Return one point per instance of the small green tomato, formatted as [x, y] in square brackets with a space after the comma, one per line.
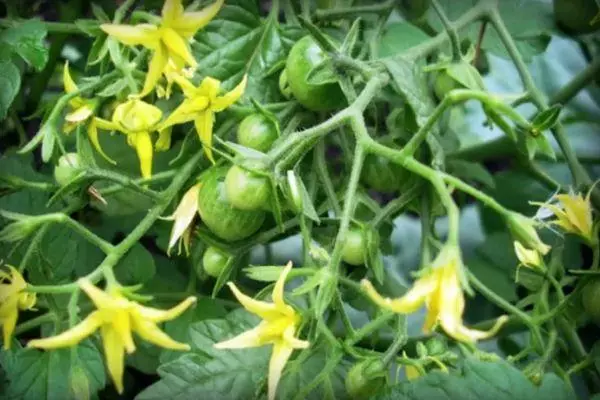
[258, 132]
[214, 261]
[69, 165]
[353, 252]
[245, 190]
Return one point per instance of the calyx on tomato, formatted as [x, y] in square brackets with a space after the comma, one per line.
[365, 378]
[218, 214]
[304, 56]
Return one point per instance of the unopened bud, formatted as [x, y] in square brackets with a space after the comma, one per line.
[523, 231]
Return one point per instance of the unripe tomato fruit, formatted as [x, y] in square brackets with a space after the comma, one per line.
[590, 297]
[214, 261]
[383, 175]
[443, 84]
[359, 384]
[574, 16]
[69, 165]
[353, 252]
[258, 132]
[245, 190]
[219, 215]
[305, 55]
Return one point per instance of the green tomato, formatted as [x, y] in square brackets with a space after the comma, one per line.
[68, 167]
[245, 190]
[353, 252]
[381, 174]
[305, 55]
[219, 215]
[214, 261]
[443, 84]
[575, 16]
[258, 132]
[364, 379]
[590, 297]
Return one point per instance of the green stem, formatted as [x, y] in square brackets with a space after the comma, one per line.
[580, 176]
[35, 322]
[398, 343]
[124, 182]
[90, 236]
[450, 30]
[370, 328]
[352, 12]
[321, 167]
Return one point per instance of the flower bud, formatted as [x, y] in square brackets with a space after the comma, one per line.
[68, 167]
[523, 231]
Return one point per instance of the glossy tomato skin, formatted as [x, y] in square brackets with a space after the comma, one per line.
[214, 261]
[69, 165]
[354, 252]
[219, 215]
[575, 16]
[305, 55]
[257, 132]
[381, 174]
[590, 298]
[245, 190]
[443, 84]
[358, 383]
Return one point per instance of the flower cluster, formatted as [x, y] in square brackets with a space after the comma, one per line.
[168, 40]
[13, 298]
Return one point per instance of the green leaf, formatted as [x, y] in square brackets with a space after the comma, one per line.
[494, 264]
[44, 375]
[530, 23]
[136, 267]
[479, 380]
[27, 40]
[10, 82]
[209, 373]
[399, 37]
[237, 42]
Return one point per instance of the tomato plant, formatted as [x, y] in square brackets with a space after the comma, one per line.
[299, 199]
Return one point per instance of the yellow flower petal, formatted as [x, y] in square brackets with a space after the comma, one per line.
[188, 89]
[209, 87]
[191, 22]
[143, 147]
[68, 82]
[72, 336]
[135, 116]
[171, 11]
[151, 333]
[288, 337]
[146, 35]
[186, 112]
[98, 297]
[156, 315]
[222, 102]
[178, 46]
[261, 308]
[184, 215]
[115, 357]
[527, 257]
[10, 314]
[204, 126]
[281, 354]
[121, 324]
[251, 338]
[80, 114]
[279, 286]
[92, 131]
[155, 69]
[406, 304]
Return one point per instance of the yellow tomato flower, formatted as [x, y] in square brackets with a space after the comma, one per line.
[171, 72]
[200, 106]
[573, 213]
[278, 327]
[82, 112]
[439, 288]
[117, 317]
[12, 299]
[137, 119]
[169, 41]
[183, 217]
